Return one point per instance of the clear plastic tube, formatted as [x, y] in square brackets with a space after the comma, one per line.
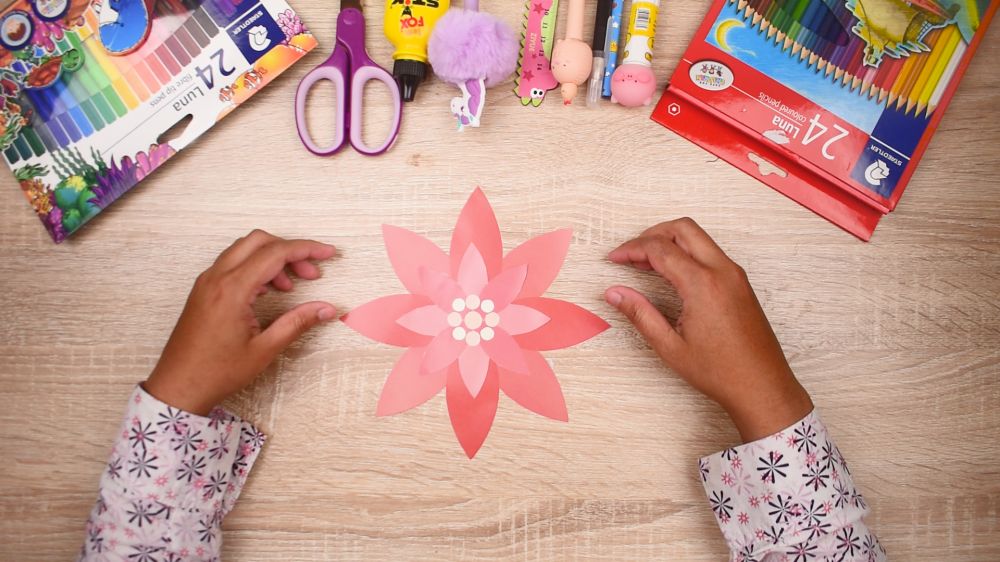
[596, 84]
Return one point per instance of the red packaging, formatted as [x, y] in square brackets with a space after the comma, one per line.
[830, 102]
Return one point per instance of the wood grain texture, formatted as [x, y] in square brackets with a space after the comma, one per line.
[898, 340]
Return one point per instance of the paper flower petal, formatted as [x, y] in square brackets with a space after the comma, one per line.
[377, 320]
[544, 256]
[441, 352]
[472, 271]
[408, 252]
[538, 391]
[472, 417]
[428, 320]
[406, 387]
[441, 288]
[519, 319]
[472, 365]
[568, 325]
[505, 287]
[505, 352]
[477, 225]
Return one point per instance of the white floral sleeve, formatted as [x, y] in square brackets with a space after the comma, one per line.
[171, 478]
[789, 497]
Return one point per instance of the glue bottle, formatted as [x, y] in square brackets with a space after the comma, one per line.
[408, 25]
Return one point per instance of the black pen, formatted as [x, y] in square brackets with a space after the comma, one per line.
[596, 83]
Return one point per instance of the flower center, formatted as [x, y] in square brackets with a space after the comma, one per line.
[472, 319]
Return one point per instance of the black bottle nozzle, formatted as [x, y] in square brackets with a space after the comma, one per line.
[409, 74]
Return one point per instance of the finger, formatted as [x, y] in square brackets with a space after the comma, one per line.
[693, 239]
[291, 325]
[656, 330]
[641, 265]
[673, 263]
[265, 264]
[282, 282]
[305, 270]
[243, 247]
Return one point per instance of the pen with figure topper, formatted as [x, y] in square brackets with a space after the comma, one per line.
[571, 56]
[633, 82]
[602, 22]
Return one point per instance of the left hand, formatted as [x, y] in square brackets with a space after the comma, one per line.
[218, 346]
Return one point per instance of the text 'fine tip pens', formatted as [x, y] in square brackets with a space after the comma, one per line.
[601, 22]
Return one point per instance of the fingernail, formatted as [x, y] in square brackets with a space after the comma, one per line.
[613, 297]
[326, 314]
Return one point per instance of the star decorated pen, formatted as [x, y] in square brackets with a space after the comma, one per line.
[601, 24]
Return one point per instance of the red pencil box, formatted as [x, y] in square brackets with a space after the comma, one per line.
[830, 102]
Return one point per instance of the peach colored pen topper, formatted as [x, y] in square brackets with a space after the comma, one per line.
[633, 82]
[572, 58]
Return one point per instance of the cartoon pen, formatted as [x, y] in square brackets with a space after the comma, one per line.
[633, 82]
[601, 23]
[572, 57]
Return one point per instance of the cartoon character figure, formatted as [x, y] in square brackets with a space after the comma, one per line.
[633, 82]
[571, 65]
[254, 78]
[468, 108]
[226, 94]
[633, 85]
[897, 26]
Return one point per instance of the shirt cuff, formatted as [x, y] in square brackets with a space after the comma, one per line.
[790, 488]
[172, 459]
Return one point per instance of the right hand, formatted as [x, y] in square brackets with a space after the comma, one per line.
[721, 343]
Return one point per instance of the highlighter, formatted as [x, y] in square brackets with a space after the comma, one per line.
[408, 25]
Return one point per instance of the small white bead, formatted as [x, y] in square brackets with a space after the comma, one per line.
[473, 320]
[458, 333]
[458, 305]
[492, 319]
[472, 338]
[487, 305]
[454, 319]
[472, 301]
[487, 333]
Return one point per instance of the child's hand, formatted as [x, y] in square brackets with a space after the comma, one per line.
[218, 347]
[721, 344]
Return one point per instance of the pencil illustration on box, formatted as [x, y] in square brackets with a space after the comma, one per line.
[894, 51]
[81, 122]
[839, 96]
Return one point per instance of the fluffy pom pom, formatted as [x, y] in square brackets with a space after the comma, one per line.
[469, 45]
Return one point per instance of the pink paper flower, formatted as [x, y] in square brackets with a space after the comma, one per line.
[474, 322]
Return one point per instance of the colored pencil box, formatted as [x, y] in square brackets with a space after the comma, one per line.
[80, 127]
[830, 102]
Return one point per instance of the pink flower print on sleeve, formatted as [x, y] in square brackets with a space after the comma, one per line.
[789, 496]
[170, 480]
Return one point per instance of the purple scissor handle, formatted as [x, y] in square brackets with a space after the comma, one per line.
[349, 68]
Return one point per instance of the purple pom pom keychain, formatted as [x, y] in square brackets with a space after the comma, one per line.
[473, 50]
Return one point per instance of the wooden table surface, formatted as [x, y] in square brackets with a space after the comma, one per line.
[898, 340]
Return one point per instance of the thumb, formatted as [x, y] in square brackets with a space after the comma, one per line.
[292, 324]
[657, 331]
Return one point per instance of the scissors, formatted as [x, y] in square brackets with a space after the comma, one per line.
[349, 68]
